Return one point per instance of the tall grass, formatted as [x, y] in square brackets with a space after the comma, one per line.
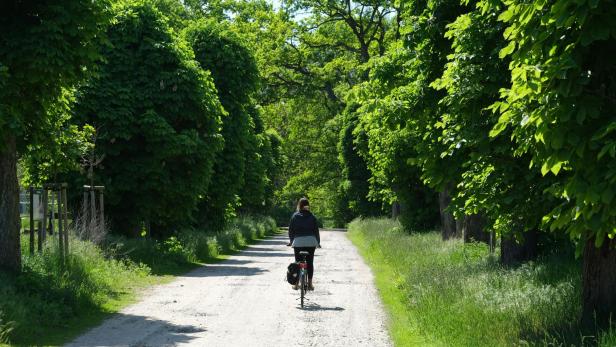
[5, 330]
[449, 293]
[50, 296]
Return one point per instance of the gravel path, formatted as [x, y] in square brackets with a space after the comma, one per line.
[244, 301]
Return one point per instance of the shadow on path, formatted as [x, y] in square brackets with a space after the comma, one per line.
[159, 333]
[275, 242]
[226, 271]
[317, 307]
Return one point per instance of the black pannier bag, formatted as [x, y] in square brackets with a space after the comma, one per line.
[293, 273]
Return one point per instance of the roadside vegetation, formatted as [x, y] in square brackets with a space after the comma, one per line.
[50, 302]
[456, 294]
[493, 120]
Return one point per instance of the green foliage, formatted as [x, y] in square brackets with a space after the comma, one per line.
[454, 294]
[308, 65]
[224, 53]
[560, 106]
[158, 121]
[274, 161]
[45, 49]
[48, 296]
[491, 179]
[356, 186]
[399, 111]
[258, 154]
[59, 153]
[391, 152]
[310, 149]
[234, 70]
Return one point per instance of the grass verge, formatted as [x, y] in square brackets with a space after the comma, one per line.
[49, 302]
[451, 294]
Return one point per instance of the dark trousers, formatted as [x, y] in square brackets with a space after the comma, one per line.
[309, 258]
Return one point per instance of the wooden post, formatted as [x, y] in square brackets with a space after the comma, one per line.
[40, 238]
[31, 220]
[52, 215]
[492, 239]
[101, 207]
[60, 221]
[43, 230]
[65, 204]
[93, 223]
[84, 212]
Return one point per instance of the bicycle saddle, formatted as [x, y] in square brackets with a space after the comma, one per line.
[304, 253]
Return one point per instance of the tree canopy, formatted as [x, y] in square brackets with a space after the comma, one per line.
[158, 120]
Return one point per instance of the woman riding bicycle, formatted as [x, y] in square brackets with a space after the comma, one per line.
[304, 236]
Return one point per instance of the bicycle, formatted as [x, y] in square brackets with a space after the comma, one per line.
[303, 276]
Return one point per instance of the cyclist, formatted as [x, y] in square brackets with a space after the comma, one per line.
[304, 236]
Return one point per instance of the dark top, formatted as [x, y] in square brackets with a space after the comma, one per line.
[303, 223]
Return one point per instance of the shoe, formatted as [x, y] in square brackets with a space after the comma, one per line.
[295, 286]
[310, 286]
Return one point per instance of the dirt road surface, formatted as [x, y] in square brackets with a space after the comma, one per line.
[245, 301]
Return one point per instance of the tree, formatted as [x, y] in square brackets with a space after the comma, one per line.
[402, 109]
[356, 186]
[159, 122]
[366, 24]
[560, 109]
[45, 49]
[494, 189]
[255, 183]
[234, 70]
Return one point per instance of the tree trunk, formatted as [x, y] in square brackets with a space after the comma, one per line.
[460, 226]
[599, 284]
[448, 223]
[473, 229]
[10, 252]
[395, 210]
[514, 252]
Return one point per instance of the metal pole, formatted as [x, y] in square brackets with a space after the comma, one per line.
[31, 220]
[65, 204]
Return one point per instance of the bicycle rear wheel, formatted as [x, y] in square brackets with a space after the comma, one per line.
[303, 287]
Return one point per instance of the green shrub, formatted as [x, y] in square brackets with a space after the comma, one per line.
[199, 246]
[248, 229]
[191, 246]
[49, 295]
